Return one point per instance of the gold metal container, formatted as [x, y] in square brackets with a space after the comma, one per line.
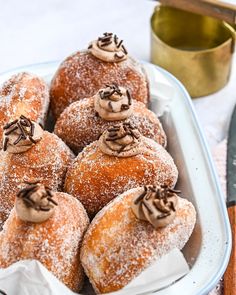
[196, 49]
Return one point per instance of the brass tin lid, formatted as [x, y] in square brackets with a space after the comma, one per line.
[196, 49]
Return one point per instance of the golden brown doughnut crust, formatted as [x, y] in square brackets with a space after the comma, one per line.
[54, 242]
[96, 178]
[46, 161]
[82, 75]
[23, 94]
[117, 246]
[79, 125]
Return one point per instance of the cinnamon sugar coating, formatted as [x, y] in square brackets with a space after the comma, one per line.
[117, 246]
[46, 161]
[54, 242]
[79, 125]
[82, 75]
[23, 94]
[96, 178]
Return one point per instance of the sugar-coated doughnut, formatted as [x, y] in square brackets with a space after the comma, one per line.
[121, 159]
[118, 246]
[83, 73]
[41, 157]
[54, 241]
[83, 121]
[23, 94]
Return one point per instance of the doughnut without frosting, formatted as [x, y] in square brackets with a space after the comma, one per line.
[117, 246]
[54, 242]
[96, 178]
[79, 125]
[82, 75]
[23, 94]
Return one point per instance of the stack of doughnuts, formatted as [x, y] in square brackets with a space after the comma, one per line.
[106, 164]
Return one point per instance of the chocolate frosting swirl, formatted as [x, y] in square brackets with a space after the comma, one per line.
[122, 140]
[20, 135]
[108, 48]
[35, 203]
[156, 204]
[113, 103]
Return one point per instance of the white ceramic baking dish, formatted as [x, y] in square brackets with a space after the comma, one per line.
[207, 252]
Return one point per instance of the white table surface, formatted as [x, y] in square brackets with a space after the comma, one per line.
[33, 31]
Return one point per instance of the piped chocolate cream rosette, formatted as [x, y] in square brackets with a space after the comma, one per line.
[113, 103]
[156, 204]
[35, 203]
[20, 135]
[123, 140]
[108, 48]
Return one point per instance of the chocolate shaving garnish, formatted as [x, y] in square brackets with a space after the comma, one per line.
[163, 215]
[119, 44]
[23, 133]
[161, 194]
[121, 149]
[11, 130]
[28, 188]
[44, 209]
[172, 206]
[18, 140]
[129, 96]
[139, 198]
[171, 190]
[32, 140]
[117, 55]
[108, 48]
[148, 195]
[156, 204]
[48, 190]
[31, 182]
[116, 138]
[9, 124]
[106, 43]
[113, 88]
[124, 107]
[120, 141]
[105, 38]
[52, 201]
[148, 207]
[26, 193]
[124, 49]
[128, 130]
[152, 188]
[32, 130]
[108, 34]
[113, 134]
[113, 129]
[115, 39]
[29, 202]
[25, 130]
[6, 139]
[110, 105]
[26, 121]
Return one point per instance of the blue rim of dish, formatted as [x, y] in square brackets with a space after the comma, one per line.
[228, 245]
[213, 282]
